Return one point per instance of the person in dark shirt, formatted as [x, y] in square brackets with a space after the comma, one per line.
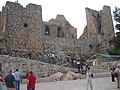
[10, 81]
[113, 74]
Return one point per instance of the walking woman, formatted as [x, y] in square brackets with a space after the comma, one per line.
[89, 78]
[31, 81]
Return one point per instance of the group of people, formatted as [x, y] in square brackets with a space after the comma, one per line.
[80, 65]
[83, 68]
[115, 76]
[116, 73]
[13, 80]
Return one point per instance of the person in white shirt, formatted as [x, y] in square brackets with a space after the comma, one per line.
[17, 79]
[78, 65]
[89, 79]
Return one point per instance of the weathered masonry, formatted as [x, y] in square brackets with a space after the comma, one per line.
[97, 33]
[23, 29]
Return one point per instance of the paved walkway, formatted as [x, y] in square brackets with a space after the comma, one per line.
[98, 84]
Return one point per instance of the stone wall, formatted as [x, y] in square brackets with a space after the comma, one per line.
[1, 21]
[107, 23]
[2, 39]
[58, 44]
[24, 26]
[39, 68]
[107, 61]
[97, 33]
[60, 28]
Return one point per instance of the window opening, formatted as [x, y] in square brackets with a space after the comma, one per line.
[25, 25]
[47, 30]
[0, 66]
[60, 33]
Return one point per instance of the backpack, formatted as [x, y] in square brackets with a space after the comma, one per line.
[116, 75]
[91, 75]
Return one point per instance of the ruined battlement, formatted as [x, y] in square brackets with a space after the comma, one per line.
[106, 8]
[13, 6]
[34, 7]
[16, 6]
[60, 18]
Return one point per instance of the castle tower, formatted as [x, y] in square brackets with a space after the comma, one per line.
[23, 26]
[99, 23]
[107, 28]
[98, 31]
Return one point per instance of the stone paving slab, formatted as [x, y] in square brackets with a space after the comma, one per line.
[98, 84]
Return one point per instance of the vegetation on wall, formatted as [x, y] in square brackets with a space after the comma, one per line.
[115, 42]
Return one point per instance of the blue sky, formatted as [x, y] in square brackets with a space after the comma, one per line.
[73, 10]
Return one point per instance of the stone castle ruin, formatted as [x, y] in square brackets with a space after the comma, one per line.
[23, 33]
[23, 29]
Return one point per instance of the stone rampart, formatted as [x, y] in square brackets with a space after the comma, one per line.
[39, 68]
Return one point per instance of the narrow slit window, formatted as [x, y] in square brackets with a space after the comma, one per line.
[25, 25]
[0, 67]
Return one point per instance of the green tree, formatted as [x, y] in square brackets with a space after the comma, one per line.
[115, 42]
[116, 15]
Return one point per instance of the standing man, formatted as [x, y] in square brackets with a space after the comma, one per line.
[117, 74]
[18, 78]
[31, 81]
[113, 74]
[10, 81]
